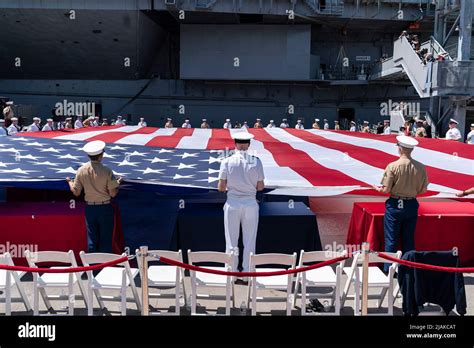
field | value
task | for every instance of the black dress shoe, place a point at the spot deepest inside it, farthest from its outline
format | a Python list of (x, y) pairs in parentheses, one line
[(315, 305)]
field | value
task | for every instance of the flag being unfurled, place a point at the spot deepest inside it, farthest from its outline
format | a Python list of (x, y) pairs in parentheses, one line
[(296, 162)]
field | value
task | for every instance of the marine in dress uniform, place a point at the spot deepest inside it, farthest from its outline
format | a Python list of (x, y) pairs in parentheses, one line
[(48, 126), (204, 124), (68, 123), (100, 185), (169, 123), (3, 130), (35, 126), (326, 124), (420, 131), (241, 175), (470, 135), (271, 124), (366, 128), (403, 179), (316, 124), (299, 125), (14, 127), (386, 127), (284, 123), (186, 124), (453, 133), (353, 127), (336, 125), (227, 124), (78, 124)]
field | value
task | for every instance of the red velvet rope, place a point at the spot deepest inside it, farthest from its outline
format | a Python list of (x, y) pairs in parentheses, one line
[(250, 274), (64, 270), (427, 266)]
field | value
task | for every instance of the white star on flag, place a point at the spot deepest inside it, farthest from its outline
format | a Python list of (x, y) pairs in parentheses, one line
[(163, 151), (45, 163), (136, 153), (213, 160), (120, 174), (186, 155), (117, 147), (68, 156), (70, 143), (50, 149), (11, 149), (17, 171), (34, 144), (106, 155), (65, 170), (210, 171), (185, 166), (158, 160), (149, 170), (3, 164), (29, 157), (177, 176)]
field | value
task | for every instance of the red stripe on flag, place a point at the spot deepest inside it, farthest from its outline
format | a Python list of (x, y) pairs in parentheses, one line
[(302, 163), (449, 147), (113, 136), (381, 159), (170, 141), (220, 140)]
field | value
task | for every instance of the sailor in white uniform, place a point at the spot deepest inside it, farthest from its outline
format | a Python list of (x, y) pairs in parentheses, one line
[(470, 135), (48, 126), (3, 130), (299, 125), (453, 133), (353, 127), (241, 175), (95, 122), (227, 124), (326, 124), (245, 125), (35, 126), (142, 122), (386, 127), (13, 128), (78, 124), (271, 124), (120, 121), (186, 124), (284, 123)]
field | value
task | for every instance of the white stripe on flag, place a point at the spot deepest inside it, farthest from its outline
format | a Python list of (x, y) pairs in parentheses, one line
[(428, 157), (87, 135), (275, 176), (198, 140), (142, 139)]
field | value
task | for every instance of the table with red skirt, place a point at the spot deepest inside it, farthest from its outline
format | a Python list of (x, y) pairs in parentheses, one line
[(440, 226), (41, 226)]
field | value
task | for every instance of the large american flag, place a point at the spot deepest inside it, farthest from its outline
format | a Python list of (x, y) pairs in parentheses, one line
[(296, 162)]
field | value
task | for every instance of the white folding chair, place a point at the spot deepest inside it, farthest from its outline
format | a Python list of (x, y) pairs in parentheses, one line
[(55, 280), (118, 277), (8, 280), (165, 276), (207, 280), (377, 279), (323, 277), (281, 282)]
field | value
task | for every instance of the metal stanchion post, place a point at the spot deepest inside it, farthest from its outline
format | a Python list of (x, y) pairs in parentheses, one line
[(365, 277), (144, 278)]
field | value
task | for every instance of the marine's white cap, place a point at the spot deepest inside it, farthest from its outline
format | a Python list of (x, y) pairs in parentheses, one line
[(168, 119), (36, 119), (406, 142), (9, 103), (325, 120), (452, 120), (119, 116), (186, 120), (366, 122), (271, 121), (142, 118), (316, 119), (386, 121), (14, 119), (93, 148), (472, 125), (68, 118), (353, 122), (284, 120), (242, 136), (204, 119), (336, 121), (299, 121), (258, 119), (245, 122), (227, 119), (49, 120)]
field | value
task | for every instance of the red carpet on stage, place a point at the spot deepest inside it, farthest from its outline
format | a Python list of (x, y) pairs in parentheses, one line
[(440, 226), (48, 226)]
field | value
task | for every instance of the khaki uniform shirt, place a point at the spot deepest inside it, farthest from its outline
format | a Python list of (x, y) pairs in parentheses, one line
[(97, 181), (420, 132), (315, 125), (168, 124), (405, 178), (204, 125), (337, 127), (366, 129)]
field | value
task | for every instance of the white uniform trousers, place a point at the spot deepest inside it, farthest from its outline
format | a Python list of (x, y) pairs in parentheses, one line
[(241, 211)]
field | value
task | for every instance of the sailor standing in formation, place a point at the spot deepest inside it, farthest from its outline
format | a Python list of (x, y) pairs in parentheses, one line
[(299, 125), (35, 126), (271, 124), (78, 124), (386, 127), (326, 124), (142, 122), (470, 135), (284, 123), (453, 133), (227, 124), (14, 127), (100, 185), (403, 179), (168, 123), (204, 124), (186, 124), (353, 127), (241, 175), (3, 130), (316, 124), (48, 126)]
